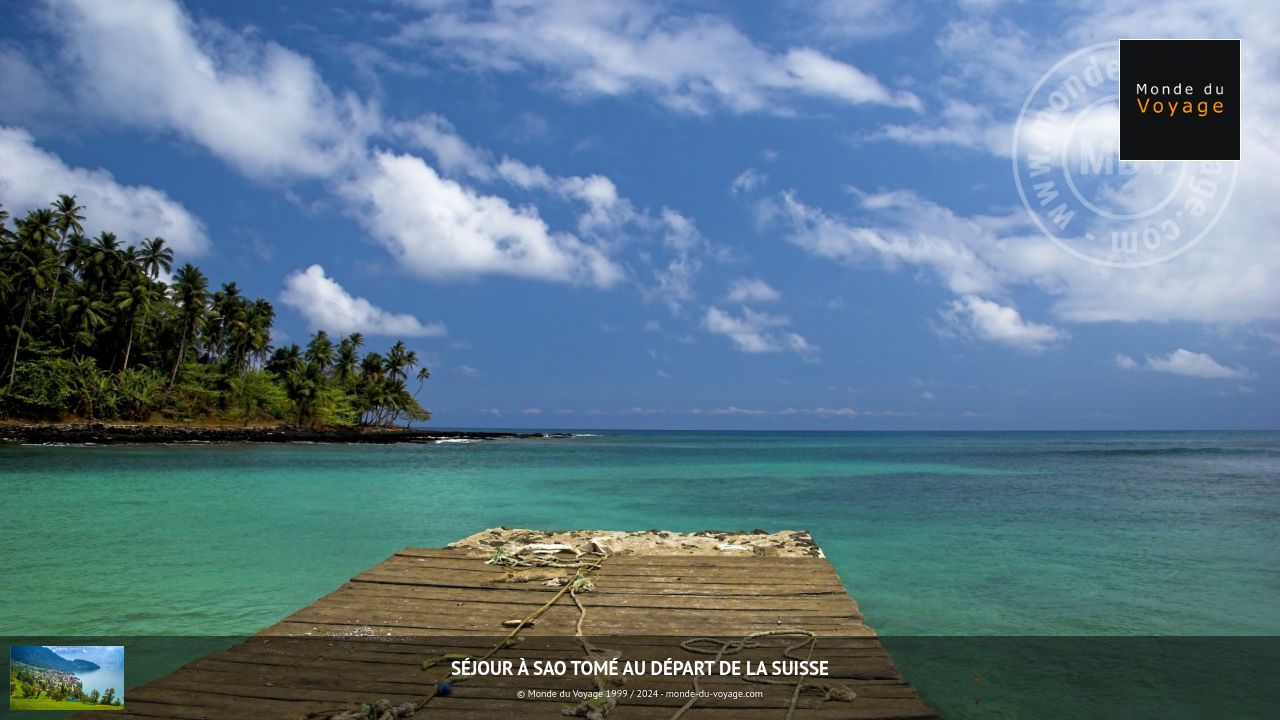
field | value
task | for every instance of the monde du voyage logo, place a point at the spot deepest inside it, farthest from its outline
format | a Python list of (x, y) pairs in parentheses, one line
[(1124, 152)]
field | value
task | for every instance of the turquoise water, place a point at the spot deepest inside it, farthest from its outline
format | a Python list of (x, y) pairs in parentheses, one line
[(947, 534), (103, 678)]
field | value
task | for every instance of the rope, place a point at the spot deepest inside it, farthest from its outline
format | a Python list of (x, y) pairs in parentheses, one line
[(384, 710), (600, 706), (732, 647)]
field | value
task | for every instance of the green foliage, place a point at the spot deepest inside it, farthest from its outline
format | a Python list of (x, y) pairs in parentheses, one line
[(93, 392), (197, 394), (86, 327), (256, 395), (137, 393), (333, 408), (41, 386)]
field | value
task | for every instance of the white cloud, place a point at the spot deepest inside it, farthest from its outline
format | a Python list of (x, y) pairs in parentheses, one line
[(454, 155), (439, 228), (993, 63), (987, 320), (326, 305), (612, 222), (845, 412), (751, 290), (692, 63), (1125, 362), (26, 94), (31, 177), (853, 20), (925, 236), (266, 110), (1187, 363), (531, 411), (731, 410), (1228, 277), (747, 180), (259, 106), (755, 332)]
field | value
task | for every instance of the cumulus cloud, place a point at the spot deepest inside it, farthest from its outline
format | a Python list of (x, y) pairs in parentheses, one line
[(455, 156), (909, 232), (1186, 363), (756, 332), (751, 290), (1226, 278), (747, 180), (327, 306), (693, 63), (258, 106), (439, 228), (31, 177), (266, 111), (988, 320), (611, 222), (1125, 362)]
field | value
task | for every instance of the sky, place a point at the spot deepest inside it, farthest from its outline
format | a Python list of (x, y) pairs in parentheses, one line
[(791, 215), (103, 655)]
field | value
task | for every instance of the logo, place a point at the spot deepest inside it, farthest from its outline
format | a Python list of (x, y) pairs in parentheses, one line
[(1180, 99), (1101, 209)]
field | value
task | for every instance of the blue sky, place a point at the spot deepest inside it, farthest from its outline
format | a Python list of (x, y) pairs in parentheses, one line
[(688, 215), (104, 655)]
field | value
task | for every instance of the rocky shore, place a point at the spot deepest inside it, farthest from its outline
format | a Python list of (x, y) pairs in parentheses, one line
[(116, 434)]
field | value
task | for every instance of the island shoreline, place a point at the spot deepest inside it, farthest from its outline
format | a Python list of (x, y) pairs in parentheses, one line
[(149, 434)]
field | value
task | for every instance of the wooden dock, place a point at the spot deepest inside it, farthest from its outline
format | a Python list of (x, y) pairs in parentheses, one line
[(367, 640)]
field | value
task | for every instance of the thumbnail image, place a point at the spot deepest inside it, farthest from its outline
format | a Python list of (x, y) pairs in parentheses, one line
[(70, 677)]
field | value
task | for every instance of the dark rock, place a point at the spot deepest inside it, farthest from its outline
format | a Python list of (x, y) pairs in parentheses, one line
[(100, 434)]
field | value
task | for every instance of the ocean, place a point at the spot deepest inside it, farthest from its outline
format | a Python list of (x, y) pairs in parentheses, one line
[(960, 548)]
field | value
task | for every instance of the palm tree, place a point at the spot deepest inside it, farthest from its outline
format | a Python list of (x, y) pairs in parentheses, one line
[(285, 360), (104, 258), (132, 300), (423, 375), (77, 253), (84, 314), (191, 290), (346, 360), (67, 217), (301, 386), (320, 351), (154, 257), (400, 360), (258, 330), (228, 305), (31, 266)]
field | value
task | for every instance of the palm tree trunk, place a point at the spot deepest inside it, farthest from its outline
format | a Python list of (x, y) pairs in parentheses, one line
[(128, 346), (182, 348), (17, 342)]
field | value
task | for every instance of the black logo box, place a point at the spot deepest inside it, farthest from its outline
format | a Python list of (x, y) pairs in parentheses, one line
[(1187, 68)]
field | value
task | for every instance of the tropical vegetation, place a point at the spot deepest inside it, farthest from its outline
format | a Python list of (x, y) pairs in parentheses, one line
[(97, 329)]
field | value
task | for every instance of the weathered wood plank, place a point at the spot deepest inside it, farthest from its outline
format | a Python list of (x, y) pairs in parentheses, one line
[(366, 640)]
